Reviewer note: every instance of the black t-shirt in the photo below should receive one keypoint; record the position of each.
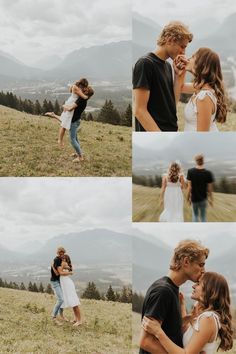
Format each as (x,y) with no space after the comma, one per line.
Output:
(56,264)
(155,75)
(199,178)
(81,105)
(162,303)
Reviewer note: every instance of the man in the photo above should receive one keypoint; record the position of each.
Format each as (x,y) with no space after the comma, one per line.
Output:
(56,286)
(200,188)
(154,97)
(162,298)
(78,107)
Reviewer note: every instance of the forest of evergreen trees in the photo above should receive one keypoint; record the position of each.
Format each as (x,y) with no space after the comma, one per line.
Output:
(107,114)
(91,291)
(223,185)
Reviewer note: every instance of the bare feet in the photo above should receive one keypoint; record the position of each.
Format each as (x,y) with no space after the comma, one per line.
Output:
(77,324)
(77,159)
(50,114)
(60,143)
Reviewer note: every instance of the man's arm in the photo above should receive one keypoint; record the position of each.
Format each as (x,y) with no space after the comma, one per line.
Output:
(141,97)
(151,344)
(69,108)
(189,189)
(210,194)
(60,271)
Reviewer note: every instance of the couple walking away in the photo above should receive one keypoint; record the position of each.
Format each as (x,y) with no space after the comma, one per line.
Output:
(64,288)
(199,190)
(70,118)
(166,326)
(156,93)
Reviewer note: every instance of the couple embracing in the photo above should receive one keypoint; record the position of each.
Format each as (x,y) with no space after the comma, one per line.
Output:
(64,288)
(70,118)
(156,93)
(166,326)
(199,191)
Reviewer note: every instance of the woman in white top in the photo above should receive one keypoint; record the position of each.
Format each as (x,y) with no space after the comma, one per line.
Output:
(171,195)
(208,102)
(211,328)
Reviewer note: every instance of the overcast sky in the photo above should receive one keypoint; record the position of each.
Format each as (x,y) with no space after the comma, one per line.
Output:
(31,29)
(188,11)
(172,233)
(42,208)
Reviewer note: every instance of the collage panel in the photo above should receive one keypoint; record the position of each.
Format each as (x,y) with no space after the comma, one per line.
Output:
(65,265)
(184,177)
(158,278)
(65,88)
(183,54)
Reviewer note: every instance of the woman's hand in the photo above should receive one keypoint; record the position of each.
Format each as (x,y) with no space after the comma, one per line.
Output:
(151,326)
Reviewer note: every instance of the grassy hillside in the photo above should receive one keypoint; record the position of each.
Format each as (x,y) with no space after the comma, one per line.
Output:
(29,148)
(146,206)
(26,326)
(136,318)
(229,125)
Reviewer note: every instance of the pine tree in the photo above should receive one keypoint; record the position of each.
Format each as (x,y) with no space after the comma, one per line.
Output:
(110,295)
(1,283)
(49,289)
(30,286)
(35,288)
(108,114)
(37,108)
(41,288)
(127,117)
(91,292)
(22,286)
(57,108)
(89,117)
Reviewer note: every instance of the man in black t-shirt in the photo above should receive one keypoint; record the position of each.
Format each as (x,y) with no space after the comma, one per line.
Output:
(154,96)
(161,302)
(200,188)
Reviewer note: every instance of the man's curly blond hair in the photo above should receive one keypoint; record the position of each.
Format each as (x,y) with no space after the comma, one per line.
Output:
(175,31)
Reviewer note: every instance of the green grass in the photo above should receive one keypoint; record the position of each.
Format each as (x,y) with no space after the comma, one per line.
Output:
(146,206)
(29,148)
(229,125)
(26,326)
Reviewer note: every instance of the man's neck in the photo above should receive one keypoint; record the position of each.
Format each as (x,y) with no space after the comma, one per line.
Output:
(200,167)
(177,277)
(161,53)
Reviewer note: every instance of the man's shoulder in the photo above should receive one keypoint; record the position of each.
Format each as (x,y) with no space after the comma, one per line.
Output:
(145,60)
(160,286)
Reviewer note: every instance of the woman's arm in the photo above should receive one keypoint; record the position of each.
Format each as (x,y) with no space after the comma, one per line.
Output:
(182,182)
(163,188)
(77,90)
(205,109)
(196,343)
(60,271)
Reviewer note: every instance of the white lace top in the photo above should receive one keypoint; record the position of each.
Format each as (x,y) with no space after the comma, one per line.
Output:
(209,348)
(190,111)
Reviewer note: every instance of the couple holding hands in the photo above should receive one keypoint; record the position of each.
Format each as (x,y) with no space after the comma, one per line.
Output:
(156,92)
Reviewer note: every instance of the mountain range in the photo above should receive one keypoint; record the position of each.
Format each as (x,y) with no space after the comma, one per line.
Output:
(109,62)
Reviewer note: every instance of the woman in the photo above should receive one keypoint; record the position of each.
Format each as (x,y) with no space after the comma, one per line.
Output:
(211,329)
(70,298)
(208,102)
(172,195)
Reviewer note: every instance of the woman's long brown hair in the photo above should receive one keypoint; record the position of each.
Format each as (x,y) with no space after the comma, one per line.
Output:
(174,171)
(207,70)
(216,298)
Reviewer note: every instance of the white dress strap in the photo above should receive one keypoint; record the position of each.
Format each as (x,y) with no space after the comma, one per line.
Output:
(201,95)
(208,314)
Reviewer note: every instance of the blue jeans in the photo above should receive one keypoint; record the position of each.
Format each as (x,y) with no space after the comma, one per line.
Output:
(56,286)
(73,136)
(199,208)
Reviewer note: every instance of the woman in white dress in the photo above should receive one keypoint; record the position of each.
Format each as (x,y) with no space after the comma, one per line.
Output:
(211,328)
(208,102)
(77,90)
(70,297)
(172,195)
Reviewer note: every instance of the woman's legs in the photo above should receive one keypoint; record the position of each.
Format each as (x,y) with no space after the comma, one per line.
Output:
(61,136)
(77,315)
(53,115)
